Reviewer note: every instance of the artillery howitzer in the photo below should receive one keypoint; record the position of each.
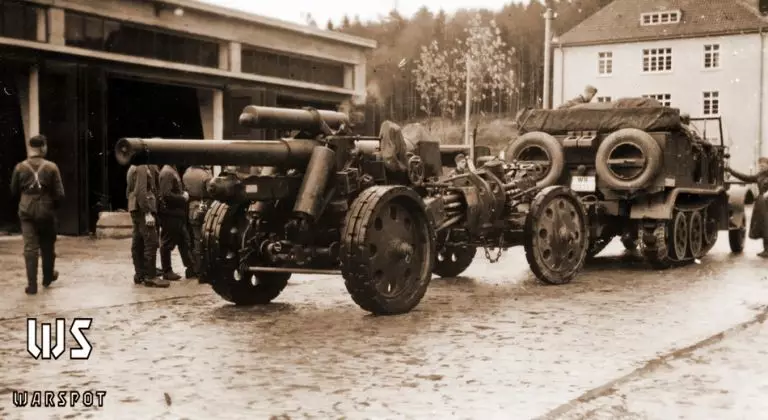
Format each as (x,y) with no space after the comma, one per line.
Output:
(376,210)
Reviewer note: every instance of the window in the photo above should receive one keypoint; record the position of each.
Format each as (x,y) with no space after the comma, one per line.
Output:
(711,103)
(660,18)
(96,33)
(712,56)
(603,99)
(605,63)
(664,98)
(294,67)
(18,20)
(656,60)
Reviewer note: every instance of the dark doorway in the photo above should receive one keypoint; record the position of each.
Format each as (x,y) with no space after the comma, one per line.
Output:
(142,109)
(12,143)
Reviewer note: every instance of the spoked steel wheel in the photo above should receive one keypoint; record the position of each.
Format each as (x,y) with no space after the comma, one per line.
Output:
(679,237)
(223,232)
(696,237)
(387,250)
(556,235)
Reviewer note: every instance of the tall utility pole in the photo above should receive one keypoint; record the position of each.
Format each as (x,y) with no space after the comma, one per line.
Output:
(467,103)
(548,16)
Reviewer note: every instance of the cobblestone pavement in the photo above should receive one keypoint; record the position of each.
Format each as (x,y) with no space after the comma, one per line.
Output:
(493,344)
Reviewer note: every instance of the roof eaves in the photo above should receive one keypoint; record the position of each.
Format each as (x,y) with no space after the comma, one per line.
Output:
(658,38)
(272,22)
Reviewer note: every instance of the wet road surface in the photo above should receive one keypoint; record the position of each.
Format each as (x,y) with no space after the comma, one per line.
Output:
(495,344)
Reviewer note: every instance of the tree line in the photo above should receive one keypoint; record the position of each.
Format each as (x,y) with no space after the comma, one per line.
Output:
(419,69)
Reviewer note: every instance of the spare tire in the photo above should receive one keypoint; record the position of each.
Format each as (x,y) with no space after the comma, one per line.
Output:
(538,146)
(628,159)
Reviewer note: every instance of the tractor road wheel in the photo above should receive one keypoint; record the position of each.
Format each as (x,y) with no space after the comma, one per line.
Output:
(223,231)
(736,238)
(556,235)
(452,261)
(696,239)
(628,159)
(539,149)
(387,250)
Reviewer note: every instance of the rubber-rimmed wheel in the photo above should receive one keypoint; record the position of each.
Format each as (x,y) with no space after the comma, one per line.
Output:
(678,246)
(736,238)
(556,238)
(452,261)
(540,149)
(696,235)
(223,230)
(628,159)
(388,250)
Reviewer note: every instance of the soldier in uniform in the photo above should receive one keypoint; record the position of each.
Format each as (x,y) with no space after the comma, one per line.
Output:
(195,181)
(585,98)
(38,181)
(758,226)
(173,223)
(142,204)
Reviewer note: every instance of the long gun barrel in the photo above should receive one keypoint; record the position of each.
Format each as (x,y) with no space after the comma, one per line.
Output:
(294,153)
(290,119)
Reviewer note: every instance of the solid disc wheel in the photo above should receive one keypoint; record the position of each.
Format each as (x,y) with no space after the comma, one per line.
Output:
(452,261)
(387,250)
(556,235)
(696,237)
(679,237)
(223,231)
(710,233)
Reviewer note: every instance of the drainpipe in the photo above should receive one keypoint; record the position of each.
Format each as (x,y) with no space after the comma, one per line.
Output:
(548,16)
(759,145)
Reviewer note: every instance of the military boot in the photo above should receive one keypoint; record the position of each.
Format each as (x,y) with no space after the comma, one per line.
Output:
(764,253)
(49,274)
(31,265)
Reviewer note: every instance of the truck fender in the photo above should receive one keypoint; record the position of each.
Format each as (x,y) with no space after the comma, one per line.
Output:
(737,197)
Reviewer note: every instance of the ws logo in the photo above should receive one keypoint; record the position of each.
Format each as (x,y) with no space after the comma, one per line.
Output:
(46,351)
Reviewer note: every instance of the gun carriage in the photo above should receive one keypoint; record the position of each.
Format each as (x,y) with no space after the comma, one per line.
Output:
(377,210)
(644,173)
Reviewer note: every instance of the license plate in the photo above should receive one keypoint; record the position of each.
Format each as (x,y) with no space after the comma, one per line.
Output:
(583,184)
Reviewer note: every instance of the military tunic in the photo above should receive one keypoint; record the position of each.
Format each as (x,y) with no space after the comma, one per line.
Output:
(142,200)
(173,222)
(195,181)
(38,182)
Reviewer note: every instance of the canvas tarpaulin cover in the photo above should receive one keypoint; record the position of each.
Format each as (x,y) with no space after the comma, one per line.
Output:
(641,113)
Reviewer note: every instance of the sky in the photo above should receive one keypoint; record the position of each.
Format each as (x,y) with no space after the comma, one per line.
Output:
(322,11)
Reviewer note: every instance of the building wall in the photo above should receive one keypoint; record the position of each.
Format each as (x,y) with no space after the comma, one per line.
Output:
(737,80)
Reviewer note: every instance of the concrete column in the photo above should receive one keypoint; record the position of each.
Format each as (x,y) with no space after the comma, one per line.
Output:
(34,103)
(235,57)
(56,26)
(359,85)
(349,77)
(224,56)
(42,25)
(218,120)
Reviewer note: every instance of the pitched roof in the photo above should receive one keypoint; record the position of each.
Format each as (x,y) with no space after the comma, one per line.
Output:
(619,21)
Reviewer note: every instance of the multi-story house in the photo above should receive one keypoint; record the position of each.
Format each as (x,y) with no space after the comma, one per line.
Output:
(706,57)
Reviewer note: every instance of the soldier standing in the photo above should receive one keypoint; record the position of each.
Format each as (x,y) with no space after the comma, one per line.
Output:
(758,226)
(38,181)
(195,181)
(585,98)
(142,204)
(173,223)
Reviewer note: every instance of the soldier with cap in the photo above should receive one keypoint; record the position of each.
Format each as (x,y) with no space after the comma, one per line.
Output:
(585,98)
(173,223)
(38,181)
(195,181)
(142,204)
